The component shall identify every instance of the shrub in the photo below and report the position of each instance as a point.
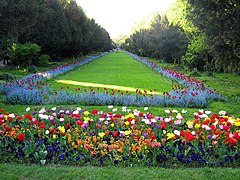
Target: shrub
(42, 60)
(7, 77)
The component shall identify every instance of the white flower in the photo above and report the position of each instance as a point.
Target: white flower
(136, 113)
(190, 126)
(47, 132)
(28, 109)
(121, 132)
(43, 116)
(201, 110)
(184, 111)
(164, 131)
(145, 108)
(208, 112)
(42, 111)
(133, 121)
(61, 119)
(175, 111)
(147, 121)
(195, 114)
(203, 116)
(124, 109)
(54, 108)
(128, 110)
(222, 112)
(167, 119)
(179, 116)
(110, 106)
(108, 119)
(177, 132)
(11, 115)
(114, 110)
(167, 111)
(101, 119)
(193, 133)
(79, 109)
(153, 120)
(76, 112)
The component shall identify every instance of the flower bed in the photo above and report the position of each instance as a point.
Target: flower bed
(33, 89)
(121, 137)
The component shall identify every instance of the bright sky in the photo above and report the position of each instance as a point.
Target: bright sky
(119, 16)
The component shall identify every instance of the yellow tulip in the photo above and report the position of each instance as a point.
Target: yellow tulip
(101, 134)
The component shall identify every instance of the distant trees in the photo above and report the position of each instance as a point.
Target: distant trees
(162, 40)
(203, 34)
(59, 27)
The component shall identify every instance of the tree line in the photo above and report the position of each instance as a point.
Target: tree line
(202, 34)
(59, 27)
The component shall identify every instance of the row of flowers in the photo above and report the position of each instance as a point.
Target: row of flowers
(124, 136)
(192, 85)
(33, 89)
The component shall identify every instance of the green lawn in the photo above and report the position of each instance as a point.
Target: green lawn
(18, 171)
(114, 71)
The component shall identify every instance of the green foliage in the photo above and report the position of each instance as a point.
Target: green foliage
(24, 54)
(61, 28)
(219, 21)
(7, 77)
(162, 40)
(42, 60)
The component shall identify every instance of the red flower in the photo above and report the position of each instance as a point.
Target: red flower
(189, 136)
(79, 122)
(163, 125)
(213, 127)
(115, 133)
(226, 128)
(152, 136)
(10, 119)
(68, 125)
(95, 112)
(7, 128)
(21, 137)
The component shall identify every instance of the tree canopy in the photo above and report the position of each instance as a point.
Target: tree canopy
(200, 33)
(59, 27)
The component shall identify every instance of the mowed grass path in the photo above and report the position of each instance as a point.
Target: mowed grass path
(114, 69)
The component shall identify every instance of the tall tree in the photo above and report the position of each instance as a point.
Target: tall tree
(219, 21)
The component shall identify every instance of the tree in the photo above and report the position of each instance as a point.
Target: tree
(219, 21)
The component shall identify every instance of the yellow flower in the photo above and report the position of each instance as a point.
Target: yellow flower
(86, 118)
(231, 120)
(127, 132)
(170, 135)
(197, 126)
(189, 123)
(61, 129)
(130, 116)
(101, 134)
(86, 113)
(5, 117)
(54, 136)
(112, 125)
(237, 122)
(127, 123)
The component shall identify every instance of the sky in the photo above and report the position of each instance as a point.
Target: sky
(119, 16)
